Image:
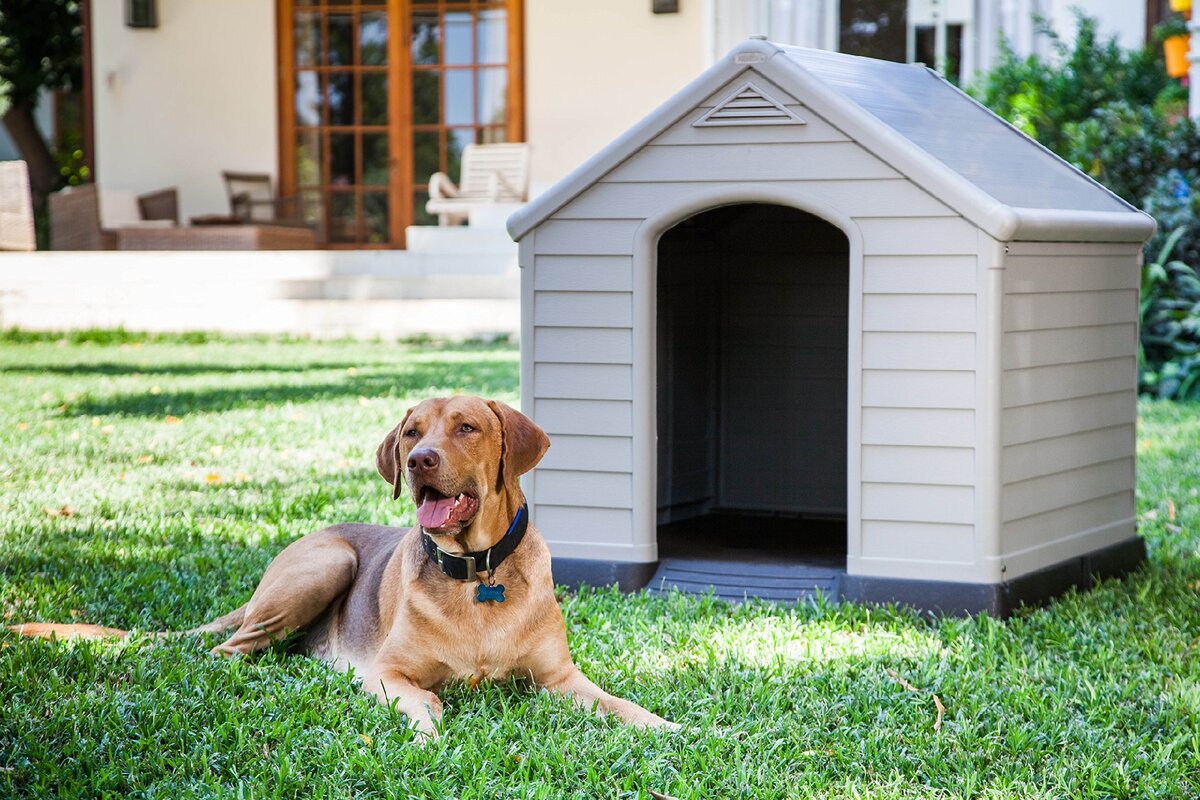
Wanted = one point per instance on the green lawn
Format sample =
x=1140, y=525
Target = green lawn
x=146, y=484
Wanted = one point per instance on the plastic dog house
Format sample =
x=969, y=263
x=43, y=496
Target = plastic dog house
x=824, y=322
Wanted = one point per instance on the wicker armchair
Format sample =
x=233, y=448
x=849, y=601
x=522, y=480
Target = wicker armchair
x=160, y=205
x=75, y=220
x=16, y=207
x=252, y=199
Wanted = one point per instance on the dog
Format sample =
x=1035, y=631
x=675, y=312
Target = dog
x=466, y=594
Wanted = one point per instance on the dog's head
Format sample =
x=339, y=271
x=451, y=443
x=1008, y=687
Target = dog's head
x=457, y=452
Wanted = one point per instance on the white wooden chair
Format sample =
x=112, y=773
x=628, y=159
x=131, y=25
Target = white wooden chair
x=491, y=173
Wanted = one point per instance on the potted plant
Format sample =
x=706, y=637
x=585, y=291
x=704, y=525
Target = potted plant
x=1174, y=35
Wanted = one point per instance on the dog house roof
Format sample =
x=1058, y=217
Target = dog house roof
x=917, y=122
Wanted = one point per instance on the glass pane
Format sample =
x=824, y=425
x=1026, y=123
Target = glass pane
x=492, y=135
x=312, y=212
x=426, y=90
x=373, y=38
x=341, y=98
x=493, y=96
x=308, y=158
x=493, y=37
x=426, y=159
x=374, y=98
x=375, y=218
x=458, y=38
x=341, y=39
x=308, y=98
x=420, y=215
x=341, y=159
x=460, y=103
x=343, y=222
x=455, y=142
x=376, y=159
x=308, y=39
x=424, y=39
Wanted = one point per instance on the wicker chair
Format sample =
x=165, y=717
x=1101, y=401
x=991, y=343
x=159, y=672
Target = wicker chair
x=160, y=205
x=75, y=220
x=491, y=173
x=251, y=199
x=16, y=207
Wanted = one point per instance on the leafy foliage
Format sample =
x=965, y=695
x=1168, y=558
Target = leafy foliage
x=1170, y=329
x=39, y=48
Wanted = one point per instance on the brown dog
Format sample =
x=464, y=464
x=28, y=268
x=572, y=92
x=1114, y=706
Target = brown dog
x=411, y=610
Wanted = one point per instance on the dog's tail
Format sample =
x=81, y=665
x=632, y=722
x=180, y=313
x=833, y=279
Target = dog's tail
x=68, y=631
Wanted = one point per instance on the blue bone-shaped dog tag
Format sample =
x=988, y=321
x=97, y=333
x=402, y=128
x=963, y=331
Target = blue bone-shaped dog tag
x=484, y=593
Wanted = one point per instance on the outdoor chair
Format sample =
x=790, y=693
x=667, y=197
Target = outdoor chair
x=252, y=199
x=491, y=173
x=160, y=205
x=75, y=220
x=16, y=207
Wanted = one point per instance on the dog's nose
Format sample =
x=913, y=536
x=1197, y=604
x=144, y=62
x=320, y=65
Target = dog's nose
x=424, y=460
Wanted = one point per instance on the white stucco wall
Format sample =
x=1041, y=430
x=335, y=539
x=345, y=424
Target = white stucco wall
x=593, y=69
x=177, y=104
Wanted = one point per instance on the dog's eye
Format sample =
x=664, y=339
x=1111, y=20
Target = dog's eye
x=466, y=427
x=411, y=433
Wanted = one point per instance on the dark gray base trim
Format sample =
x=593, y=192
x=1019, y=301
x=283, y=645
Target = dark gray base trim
x=1001, y=599
x=939, y=597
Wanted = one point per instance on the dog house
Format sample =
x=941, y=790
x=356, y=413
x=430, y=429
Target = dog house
x=822, y=322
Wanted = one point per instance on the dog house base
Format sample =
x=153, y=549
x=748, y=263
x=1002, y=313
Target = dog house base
x=937, y=597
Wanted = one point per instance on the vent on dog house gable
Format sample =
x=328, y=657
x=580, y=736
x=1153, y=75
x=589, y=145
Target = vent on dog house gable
x=749, y=105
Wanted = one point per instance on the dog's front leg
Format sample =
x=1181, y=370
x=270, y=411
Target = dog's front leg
x=590, y=696
x=422, y=707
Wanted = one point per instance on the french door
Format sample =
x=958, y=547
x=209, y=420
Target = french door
x=377, y=95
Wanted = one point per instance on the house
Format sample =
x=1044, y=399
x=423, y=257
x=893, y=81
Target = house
x=351, y=107
x=787, y=311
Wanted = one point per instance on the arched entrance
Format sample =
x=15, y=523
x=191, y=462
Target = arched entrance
x=752, y=346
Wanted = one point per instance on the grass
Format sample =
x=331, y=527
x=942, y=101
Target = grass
x=147, y=481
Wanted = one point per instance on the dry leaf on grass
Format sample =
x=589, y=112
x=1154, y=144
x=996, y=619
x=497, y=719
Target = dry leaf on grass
x=937, y=701
x=941, y=712
x=896, y=677
x=172, y=420
x=660, y=795
x=1171, y=510
x=65, y=511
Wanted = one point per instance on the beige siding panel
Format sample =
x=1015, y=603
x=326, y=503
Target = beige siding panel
x=574, y=488
x=1069, y=274
x=916, y=312
x=583, y=381
x=1047, y=456
x=1063, y=381
x=590, y=453
x=583, y=345
x=919, y=275
x=583, y=309
x=859, y=198
x=918, y=236
x=919, y=427
x=1027, y=312
x=815, y=129
x=952, y=544
x=1075, y=249
x=950, y=351
x=1063, y=522
x=583, y=273
x=1047, y=420
x=947, y=466
x=894, y=502
x=610, y=237
x=1069, y=345
x=765, y=162
x=584, y=525
x=595, y=417
x=918, y=389
x=1063, y=489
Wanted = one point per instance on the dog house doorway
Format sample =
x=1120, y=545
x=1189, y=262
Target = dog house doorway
x=752, y=339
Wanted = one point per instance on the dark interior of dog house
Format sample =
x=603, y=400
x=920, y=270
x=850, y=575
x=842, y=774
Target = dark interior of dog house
x=752, y=358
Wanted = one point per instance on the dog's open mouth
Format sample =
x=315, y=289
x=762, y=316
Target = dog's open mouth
x=439, y=513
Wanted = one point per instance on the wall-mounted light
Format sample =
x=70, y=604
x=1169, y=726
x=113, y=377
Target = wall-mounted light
x=664, y=6
x=141, y=13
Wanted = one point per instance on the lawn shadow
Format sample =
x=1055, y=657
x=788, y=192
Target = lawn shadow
x=480, y=375
x=111, y=368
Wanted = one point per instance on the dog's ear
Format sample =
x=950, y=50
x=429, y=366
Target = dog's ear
x=387, y=456
x=524, y=443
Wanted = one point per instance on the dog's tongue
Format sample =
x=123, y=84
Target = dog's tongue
x=435, y=513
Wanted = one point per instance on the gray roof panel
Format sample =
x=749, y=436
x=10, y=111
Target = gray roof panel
x=936, y=116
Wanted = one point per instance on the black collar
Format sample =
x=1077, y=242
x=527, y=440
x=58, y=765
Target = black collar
x=463, y=568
